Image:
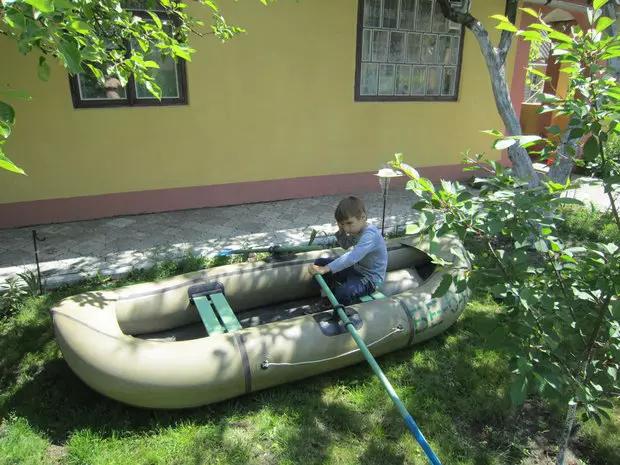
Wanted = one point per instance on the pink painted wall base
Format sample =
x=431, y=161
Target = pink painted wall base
x=14, y=215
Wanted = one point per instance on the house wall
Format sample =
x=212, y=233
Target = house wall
x=271, y=115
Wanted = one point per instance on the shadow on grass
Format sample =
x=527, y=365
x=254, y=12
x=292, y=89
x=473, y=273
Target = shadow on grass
x=454, y=389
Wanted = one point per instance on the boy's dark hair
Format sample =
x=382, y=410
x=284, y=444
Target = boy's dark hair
x=349, y=207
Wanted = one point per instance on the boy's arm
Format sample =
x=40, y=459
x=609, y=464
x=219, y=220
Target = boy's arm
x=359, y=251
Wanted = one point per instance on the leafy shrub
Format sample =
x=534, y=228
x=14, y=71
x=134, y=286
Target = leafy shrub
x=12, y=298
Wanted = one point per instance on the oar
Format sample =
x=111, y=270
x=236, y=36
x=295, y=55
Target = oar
x=409, y=421
x=274, y=249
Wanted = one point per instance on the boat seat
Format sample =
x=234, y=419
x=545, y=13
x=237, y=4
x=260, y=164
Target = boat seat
x=208, y=316
x=374, y=296
x=225, y=312
x=213, y=308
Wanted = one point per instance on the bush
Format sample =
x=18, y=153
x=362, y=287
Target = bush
x=12, y=299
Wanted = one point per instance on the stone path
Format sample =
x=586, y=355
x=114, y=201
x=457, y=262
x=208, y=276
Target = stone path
x=114, y=246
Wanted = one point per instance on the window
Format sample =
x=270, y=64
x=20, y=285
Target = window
x=407, y=50
x=171, y=77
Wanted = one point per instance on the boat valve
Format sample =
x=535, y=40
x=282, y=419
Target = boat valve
x=265, y=364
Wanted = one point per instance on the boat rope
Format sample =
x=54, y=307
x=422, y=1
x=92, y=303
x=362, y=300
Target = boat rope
x=267, y=363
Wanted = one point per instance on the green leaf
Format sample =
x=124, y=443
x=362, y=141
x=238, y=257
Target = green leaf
x=575, y=133
x=426, y=185
x=80, y=26
x=502, y=144
x=96, y=72
x=8, y=165
x=518, y=391
x=566, y=201
x=530, y=35
x=461, y=285
x=154, y=89
x=590, y=149
x=541, y=246
x=557, y=35
x=45, y=6
x=412, y=229
x=71, y=57
x=182, y=52
x=535, y=72
x=530, y=12
x=410, y=171
x=493, y=132
x=500, y=18
x=597, y=4
x=43, y=69
x=523, y=140
x=5, y=129
x=155, y=19
x=16, y=19
x=613, y=372
x=443, y=287
x=506, y=27
x=604, y=23
x=7, y=113
x=541, y=27
x=64, y=5
x=18, y=94
x=567, y=258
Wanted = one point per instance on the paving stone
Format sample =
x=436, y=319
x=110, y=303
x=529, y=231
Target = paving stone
x=121, y=222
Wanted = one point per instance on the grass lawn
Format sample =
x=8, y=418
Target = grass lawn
x=454, y=385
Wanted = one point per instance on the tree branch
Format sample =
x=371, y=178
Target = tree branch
x=452, y=14
x=506, y=39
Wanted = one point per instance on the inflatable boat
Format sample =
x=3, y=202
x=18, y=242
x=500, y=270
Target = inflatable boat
x=215, y=334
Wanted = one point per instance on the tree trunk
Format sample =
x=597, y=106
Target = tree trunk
x=495, y=58
x=521, y=161
x=563, y=165
x=568, y=427
x=564, y=159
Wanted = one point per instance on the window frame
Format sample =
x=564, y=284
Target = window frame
x=131, y=99
x=358, y=97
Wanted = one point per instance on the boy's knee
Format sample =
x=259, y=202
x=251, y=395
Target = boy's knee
x=343, y=296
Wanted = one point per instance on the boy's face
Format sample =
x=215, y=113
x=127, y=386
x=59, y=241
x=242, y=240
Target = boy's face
x=353, y=225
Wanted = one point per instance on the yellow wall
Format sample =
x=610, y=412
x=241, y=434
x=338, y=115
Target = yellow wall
x=275, y=103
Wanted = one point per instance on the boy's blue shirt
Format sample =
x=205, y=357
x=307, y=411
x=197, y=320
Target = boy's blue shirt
x=368, y=256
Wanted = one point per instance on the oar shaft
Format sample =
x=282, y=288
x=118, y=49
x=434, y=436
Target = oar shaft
x=278, y=249
x=409, y=421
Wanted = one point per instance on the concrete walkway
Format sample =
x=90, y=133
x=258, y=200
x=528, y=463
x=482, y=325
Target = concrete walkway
x=114, y=246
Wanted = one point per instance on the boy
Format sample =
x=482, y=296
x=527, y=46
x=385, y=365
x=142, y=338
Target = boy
x=360, y=271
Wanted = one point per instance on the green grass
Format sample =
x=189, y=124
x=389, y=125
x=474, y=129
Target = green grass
x=454, y=386
x=587, y=224
x=20, y=443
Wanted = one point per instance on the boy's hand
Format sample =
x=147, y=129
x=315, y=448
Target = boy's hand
x=315, y=269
